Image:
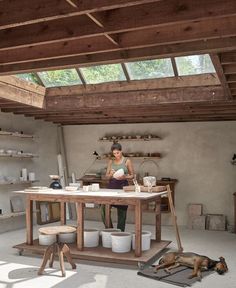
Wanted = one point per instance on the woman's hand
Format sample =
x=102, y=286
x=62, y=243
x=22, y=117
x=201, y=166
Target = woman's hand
x=111, y=173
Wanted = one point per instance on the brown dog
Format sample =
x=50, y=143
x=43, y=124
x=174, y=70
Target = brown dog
x=197, y=262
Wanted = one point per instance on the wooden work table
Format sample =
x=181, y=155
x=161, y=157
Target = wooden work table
x=103, y=196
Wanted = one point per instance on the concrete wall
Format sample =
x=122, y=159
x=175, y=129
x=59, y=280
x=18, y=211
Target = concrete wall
x=44, y=145
x=197, y=154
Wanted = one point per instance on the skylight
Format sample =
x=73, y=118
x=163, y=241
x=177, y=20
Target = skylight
x=196, y=64
x=137, y=70
x=157, y=68
x=60, y=78
x=103, y=73
x=30, y=77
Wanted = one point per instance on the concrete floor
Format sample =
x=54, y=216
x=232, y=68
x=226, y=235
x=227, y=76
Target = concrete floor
x=21, y=271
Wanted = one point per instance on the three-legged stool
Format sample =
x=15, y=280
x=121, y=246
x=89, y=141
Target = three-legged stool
x=57, y=248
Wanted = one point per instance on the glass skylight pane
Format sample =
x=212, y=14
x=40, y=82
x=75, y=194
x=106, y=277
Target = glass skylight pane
x=103, y=73
x=30, y=77
x=157, y=68
x=60, y=78
x=196, y=64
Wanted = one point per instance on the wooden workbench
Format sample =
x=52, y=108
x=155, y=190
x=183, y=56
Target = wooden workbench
x=104, y=196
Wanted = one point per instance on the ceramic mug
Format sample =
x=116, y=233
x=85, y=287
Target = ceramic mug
x=86, y=188
x=95, y=187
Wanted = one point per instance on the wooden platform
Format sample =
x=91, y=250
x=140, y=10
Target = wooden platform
x=100, y=253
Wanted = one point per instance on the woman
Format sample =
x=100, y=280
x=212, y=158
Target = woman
x=119, y=162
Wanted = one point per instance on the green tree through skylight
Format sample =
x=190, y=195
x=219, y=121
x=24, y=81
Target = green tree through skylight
x=103, y=73
x=60, y=77
x=157, y=68
x=196, y=64
x=30, y=77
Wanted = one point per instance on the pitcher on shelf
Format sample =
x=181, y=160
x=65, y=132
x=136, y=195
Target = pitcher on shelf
x=119, y=170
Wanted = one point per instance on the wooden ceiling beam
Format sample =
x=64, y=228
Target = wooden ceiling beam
x=124, y=99
x=29, y=86
x=185, y=106
x=207, y=79
x=232, y=85
x=147, y=120
x=155, y=109
x=117, y=21
x=183, y=32
x=231, y=78
x=87, y=46
x=127, y=115
x=14, y=89
x=42, y=10
x=219, y=70
x=206, y=29
x=229, y=69
x=162, y=51
x=228, y=58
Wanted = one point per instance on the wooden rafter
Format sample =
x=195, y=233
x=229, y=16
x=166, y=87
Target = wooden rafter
x=161, y=51
x=120, y=21
x=132, y=40
x=136, y=85
x=219, y=70
x=21, y=91
x=59, y=103
x=42, y=10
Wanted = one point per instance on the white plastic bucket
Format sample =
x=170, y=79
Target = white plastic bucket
x=47, y=239
x=91, y=237
x=121, y=242
x=67, y=237
x=146, y=240
x=106, y=236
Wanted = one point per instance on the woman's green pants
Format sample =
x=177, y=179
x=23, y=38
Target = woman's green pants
x=121, y=217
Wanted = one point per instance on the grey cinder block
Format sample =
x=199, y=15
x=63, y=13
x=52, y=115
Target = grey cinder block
x=194, y=209
x=216, y=222
x=197, y=222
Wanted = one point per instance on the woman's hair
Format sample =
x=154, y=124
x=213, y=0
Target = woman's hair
x=116, y=146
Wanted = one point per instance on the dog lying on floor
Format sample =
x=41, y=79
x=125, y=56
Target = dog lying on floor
x=198, y=262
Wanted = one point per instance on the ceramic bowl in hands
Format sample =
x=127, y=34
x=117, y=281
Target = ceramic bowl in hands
x=119, y=173
x=54, y=177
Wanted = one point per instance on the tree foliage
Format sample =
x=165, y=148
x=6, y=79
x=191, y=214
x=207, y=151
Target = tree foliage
x=60, y=77
x=103, y=73
x=150, y=69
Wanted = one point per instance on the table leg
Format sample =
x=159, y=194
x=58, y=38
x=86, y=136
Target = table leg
x=29, y=221
x=63, y=213
x=108, y=216
x=158, y=219
x=138, y=229
x=80, y=225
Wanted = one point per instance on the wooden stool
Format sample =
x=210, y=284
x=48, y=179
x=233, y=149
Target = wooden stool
x=60, y=249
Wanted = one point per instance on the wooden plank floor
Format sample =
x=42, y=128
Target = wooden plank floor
x=100, y=253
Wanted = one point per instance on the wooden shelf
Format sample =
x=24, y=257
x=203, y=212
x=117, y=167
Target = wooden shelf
x=133, y=157
x=130, y=139
x=16, y=134
x=17, y=156
x=18, y=182
x=10, y=215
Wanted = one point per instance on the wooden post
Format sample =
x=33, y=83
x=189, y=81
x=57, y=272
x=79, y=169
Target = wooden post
x=174, y=219
x=158, y=219
x=138, y=228
x=63, y=213
x=235, y=212
x=80, y=225
x=29, y=220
